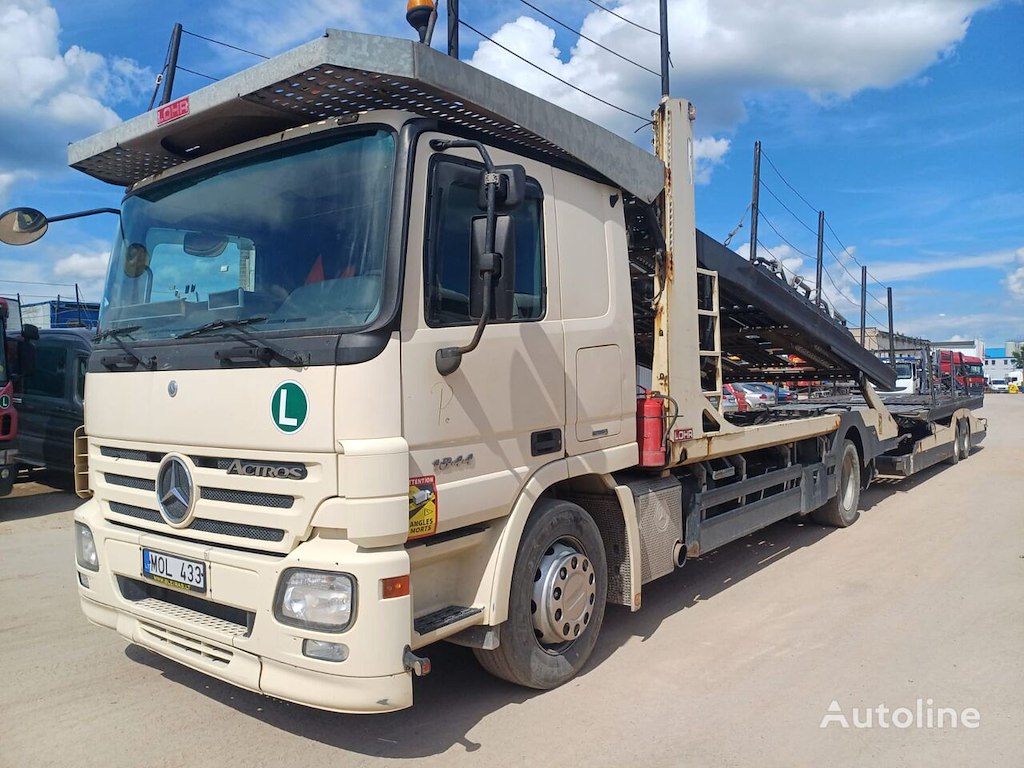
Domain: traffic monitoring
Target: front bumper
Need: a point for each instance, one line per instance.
(257, 653)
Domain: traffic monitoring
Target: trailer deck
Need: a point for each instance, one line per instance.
(910, 407)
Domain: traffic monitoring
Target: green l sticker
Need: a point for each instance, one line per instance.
(289, 406)
(4, 401)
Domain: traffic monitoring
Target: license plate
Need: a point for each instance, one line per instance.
(174, 571)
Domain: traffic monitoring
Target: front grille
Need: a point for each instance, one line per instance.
(140, 513)
(239, 530)
(130, 454)
(275, 500)
(138, 483)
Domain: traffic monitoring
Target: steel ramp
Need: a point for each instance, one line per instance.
(767, 325)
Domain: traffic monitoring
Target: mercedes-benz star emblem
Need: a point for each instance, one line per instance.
(174, 490)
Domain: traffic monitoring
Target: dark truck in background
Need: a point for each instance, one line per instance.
(50, 399)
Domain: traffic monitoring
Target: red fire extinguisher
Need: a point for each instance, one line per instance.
(650, 429)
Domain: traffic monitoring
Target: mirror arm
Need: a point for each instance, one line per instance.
(80, 214)
(448, 359)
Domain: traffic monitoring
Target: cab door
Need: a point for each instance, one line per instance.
(50, 407)
(476, 435)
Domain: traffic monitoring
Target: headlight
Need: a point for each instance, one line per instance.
(315, 600)
(85, 548)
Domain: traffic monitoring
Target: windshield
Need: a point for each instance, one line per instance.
(296, 235)
(904, 371)
(974, 369)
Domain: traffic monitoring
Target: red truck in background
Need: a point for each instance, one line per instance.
(968, 371)
(17, 359)
(8, 416)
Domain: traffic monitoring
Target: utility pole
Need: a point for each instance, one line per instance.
(453, 28)
(753, 200)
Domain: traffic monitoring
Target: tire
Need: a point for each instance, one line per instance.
(968, 442)
(843, 509)
(557, 600)
(958, 440)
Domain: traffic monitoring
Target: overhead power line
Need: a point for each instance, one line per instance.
(470, 27)
(783, 238)
(193, 72)
(779, 201)
(784, 181)
(36, 282)
(623, 18)
(226, 45)
(578, 33)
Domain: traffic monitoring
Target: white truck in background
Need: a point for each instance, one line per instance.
(364, 379)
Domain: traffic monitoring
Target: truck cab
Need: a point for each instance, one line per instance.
(51, 399)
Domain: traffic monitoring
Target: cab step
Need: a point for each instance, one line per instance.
(452, 614)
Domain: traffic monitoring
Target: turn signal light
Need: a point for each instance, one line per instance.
(396, 586)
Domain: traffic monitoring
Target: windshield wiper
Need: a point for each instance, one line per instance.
(131, 357)
(259, 349)
(217, 325)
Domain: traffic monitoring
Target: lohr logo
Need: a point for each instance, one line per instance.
(289, 406)
(261, 469)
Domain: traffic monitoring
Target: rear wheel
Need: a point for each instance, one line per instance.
(958, 445)
(843, 509)
(963, 442)
(557, 601)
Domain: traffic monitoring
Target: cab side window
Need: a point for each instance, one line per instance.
(82, 365)
(47, 378)
(454, 188)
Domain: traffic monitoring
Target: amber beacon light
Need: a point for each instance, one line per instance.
(420, 15)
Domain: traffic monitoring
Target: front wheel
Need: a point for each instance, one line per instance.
(557, 600)
(843, 509)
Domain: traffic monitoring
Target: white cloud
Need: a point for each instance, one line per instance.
(1015, 279)
(729, 51)
(265, 28)
(82, 266)
(50, 97)
(708, 153)
(896, 271)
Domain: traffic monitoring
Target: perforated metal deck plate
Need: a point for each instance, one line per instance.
(346, 72)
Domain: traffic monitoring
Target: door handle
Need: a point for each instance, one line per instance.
(545, 441)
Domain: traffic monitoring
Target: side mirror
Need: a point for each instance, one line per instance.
(21, 226)
(511, 189)
(501, 264)
(30, 332)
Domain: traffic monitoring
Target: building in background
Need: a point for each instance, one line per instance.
(58, 313)
(999, 362)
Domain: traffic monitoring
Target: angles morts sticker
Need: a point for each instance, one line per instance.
(422, 506)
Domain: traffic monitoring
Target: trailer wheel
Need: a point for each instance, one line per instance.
(557, 601)
(958, 445)
(843, 509)
(963, 438)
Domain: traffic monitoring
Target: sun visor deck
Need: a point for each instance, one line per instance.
(345, 73)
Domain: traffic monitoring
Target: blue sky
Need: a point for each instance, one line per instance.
(902, 119)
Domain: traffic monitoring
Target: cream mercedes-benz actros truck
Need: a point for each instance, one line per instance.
(392, 352)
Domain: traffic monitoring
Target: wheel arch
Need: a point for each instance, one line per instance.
(616, 520)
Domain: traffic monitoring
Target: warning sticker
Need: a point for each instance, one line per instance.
(422, 506)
